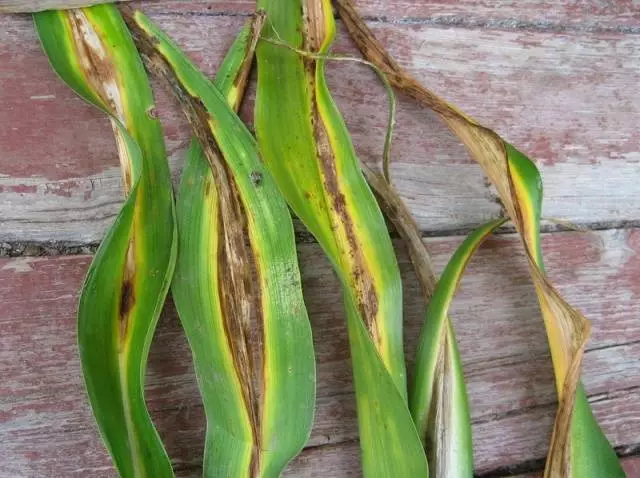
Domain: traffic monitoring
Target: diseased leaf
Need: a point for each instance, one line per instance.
(237, 285)
(438, 397)
(127, 282)
(578, 449)
(307, 148)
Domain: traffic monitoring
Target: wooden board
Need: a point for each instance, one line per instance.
(556, 78)
(39, 5)
(542, 14)
(621, 15)
(567, 99)
(46, 428)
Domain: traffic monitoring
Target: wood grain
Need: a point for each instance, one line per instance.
(20, 6)
(622, 15)
(566, 99)
(557, 78)
(46, 428)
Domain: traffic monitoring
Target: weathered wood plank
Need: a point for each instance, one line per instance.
(568, 100)
(541, 14)
(342, 461)
(508, 14)
(46, 428)
(40, 5)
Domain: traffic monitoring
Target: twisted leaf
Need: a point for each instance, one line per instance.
(438, 397)
(237, 285)
(127, 282)
(579, 448)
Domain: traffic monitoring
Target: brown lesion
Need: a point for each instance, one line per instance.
(238, 271)
(367, 297)
(239, 296)
(256, 25)
(342, 223)
(313, 24)
(127, 293)
(97, 67)
(125, 160)
(127, 298)
(101, 76)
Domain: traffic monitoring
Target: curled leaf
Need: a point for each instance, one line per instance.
(438, 396)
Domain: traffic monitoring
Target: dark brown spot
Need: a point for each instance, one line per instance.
(127, 299)
(127, 177)
(207, 187)
(256, 178)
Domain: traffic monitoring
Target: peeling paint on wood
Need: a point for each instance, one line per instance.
(532, 14)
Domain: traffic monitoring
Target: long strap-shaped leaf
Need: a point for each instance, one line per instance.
(438, 400)
(438, 396)
(307, 148)
(579, 448)
(241, 303)
(127, 282)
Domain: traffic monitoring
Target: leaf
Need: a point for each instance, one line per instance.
(578, 446)
(438, 396)
(306, 146)
(127, 282)
(438, 400)
(237, 285)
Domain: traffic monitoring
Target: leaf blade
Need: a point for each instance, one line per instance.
(275, 394)
(517, 181)
(317, 171)
(128, 280)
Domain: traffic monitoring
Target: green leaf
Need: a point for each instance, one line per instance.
(307, 148)
(127, 282)
(438, 400)
(578, 448)
(237, 285)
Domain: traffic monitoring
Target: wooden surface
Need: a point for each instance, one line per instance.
(557, 78)
(39, 5)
